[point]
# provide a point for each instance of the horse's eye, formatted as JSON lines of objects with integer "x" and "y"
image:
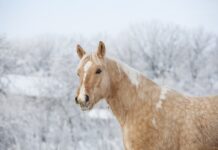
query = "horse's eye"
{"x": 98, "y": 71}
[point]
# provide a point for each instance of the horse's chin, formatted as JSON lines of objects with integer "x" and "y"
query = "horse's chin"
{"x": 86, "y": 108}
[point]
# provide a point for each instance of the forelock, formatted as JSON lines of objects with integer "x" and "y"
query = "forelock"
{"x": 92, "y": 57}
{"x": 82, "y": 61}
{"x": 95, "y": 59}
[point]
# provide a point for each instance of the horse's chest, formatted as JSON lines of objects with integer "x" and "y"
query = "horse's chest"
{"x": 128, "y": 142}
{"x": 137, "y": 137}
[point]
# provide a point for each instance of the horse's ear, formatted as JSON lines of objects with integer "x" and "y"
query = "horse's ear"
{"x": 80, "y": 51}
{"x": 101, "y": 50}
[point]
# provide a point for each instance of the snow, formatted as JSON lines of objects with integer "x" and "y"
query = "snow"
{"x": 100, "y": 114}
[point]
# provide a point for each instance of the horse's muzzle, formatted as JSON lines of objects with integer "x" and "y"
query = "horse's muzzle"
{"x": 84, "y": 103}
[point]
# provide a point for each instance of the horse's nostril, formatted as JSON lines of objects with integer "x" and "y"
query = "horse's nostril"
{"x": 76, "y": 100}
{"x": 86, "y": 98}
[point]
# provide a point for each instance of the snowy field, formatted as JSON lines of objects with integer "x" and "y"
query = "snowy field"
{"x": 38, "y": 82}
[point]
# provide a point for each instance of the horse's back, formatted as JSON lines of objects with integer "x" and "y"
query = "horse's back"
{"x": 198, "y": 125}
{"x": 205, "y": 121}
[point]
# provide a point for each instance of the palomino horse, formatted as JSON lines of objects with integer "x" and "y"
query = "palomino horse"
{"x": 151, "y": 117}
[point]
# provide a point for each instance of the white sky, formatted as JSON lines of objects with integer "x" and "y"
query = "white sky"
{"x": 24, "y": 18}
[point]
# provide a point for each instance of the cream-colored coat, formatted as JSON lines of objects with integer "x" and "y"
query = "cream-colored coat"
{"x": 157, "y": 118}
{"x": 151, "y": 117}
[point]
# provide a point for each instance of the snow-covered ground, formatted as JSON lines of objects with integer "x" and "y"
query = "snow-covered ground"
{"x": 100, "y": 114}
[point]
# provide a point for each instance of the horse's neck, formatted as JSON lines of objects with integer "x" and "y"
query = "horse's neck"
{"x": 128, "y": 89}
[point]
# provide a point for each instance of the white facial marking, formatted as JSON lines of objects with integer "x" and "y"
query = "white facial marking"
{"x": 132, "y": 74}
{"x": 163, "y": 93}
{"x": 82, "y": 91}
{"x": 81, "y": 61}
{"x": 87, "y": 66}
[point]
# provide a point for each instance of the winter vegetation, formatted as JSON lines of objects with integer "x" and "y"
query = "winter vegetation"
{"x": 38, "y": 81}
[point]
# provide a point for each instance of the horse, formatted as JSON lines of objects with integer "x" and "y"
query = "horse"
{"x": 151, "y": 117}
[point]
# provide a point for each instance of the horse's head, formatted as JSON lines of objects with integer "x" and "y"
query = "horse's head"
{"x": 94, "y": 77}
